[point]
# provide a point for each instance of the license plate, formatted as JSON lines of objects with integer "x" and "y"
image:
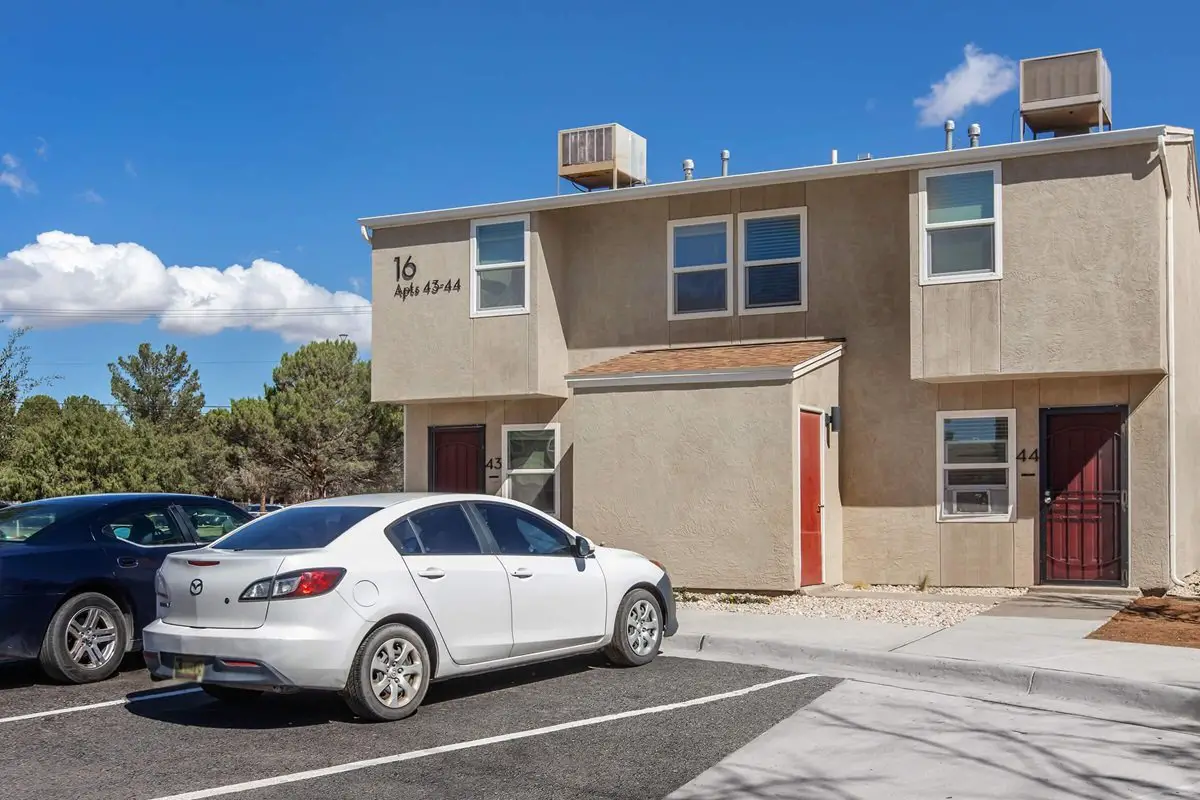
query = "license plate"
{"x": 188, "y": 669}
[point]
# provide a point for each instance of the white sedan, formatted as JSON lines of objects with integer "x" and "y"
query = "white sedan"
{"x": 374, "y": 596}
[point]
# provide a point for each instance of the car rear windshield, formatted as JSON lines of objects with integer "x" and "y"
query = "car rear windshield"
{"x": 18, "y": 523}
{"x": 296, "y": 528}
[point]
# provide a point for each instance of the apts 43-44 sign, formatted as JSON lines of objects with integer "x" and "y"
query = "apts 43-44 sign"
{"x": 408, "y": 286}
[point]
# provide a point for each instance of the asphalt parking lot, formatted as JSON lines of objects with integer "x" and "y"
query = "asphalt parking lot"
{"x": 575, "y": 728}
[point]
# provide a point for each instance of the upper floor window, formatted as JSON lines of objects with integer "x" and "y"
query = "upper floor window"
{"x": 699, "y": 251}
{"x": 960, "y": 220}
{"x": 976, "y": 465}
{"x": 530, "y": 465}
{"x": 500, "y": 266}
{"x": 772, "y": 266}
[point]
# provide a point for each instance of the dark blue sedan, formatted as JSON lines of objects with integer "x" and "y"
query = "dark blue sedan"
{"x": 77, "y": 573}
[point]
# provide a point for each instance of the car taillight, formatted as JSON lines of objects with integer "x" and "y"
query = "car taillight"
{"x": 303, "y": 583}
{"x": 658, "y": 564}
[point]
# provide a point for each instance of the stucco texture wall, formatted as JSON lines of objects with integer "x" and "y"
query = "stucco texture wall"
{"x": 699, "y": 478}
{"x": 494, "y": 415}
{"x": 1186, "y": 369}
{"x": 1082, "y": 287}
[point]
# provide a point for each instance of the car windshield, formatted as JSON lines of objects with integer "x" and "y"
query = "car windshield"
{"x": 298, "y": 527}
{"x": 18, "y": 523}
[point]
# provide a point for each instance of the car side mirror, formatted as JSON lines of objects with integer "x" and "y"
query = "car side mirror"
{"x": 582, "y": 547}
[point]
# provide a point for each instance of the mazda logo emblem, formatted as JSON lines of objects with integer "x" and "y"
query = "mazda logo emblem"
{"x": 197, "y": 587}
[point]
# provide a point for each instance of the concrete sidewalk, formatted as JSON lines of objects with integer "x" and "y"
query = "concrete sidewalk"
{"x": 1028, "y": 646}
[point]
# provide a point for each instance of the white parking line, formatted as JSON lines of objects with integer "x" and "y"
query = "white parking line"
{"x": 106, "y": 704}
{"x": 411, "y": 755}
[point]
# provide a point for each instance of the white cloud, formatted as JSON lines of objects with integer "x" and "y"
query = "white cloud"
{"x": 130, "y": 169}
{"x": 14, "y": 177}
{"x": 91, "y": 196}
{"x": 65, "y": 280}
{"x": 43, "y": 148}
{"x": 977, "y": 81}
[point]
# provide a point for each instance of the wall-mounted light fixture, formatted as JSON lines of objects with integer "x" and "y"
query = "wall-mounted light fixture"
{"x": 834, "y": 419}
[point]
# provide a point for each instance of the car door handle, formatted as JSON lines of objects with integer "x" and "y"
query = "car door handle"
{"x": 432, "y": 573}
{"x": 522, "y": 572}
{"x": 125, "y": 561}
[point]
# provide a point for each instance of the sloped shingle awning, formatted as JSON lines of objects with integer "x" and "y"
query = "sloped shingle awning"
{"x": 743, "y": 363}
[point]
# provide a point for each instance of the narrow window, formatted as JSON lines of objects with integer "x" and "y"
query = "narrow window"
{"x": 700, "y": 278}
{"x": 530, "y": 469}
{"x": 976, "y": 465}
{"x": 960, "y": 217}
{"x": 772, "y": 267}
{"x": 500, "y": 267}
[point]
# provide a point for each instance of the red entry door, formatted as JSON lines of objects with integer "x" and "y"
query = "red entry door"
{"x": 1083, "y": 497}
{"x": 456, "y": 459}
{"x": 812, "y": 569}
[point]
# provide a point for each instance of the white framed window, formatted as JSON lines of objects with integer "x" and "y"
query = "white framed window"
{"x": 977, "y": 468}
{"x": 500, "y": 266}
{"x": 699, "y": 261}
{"x": 530, "y": 469}
{"x": 772, "y": 261}
{"x": 961, "y": 224}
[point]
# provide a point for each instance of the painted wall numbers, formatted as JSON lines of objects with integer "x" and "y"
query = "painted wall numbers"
{"x": 431, "y": 287}
{"x": 406, "y": 271}
{"x": 406, "y": 287}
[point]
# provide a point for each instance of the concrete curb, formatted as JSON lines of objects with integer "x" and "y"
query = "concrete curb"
{"x": 1050, "y": 684}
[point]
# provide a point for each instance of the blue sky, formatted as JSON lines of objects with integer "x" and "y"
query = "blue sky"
{"x": 213, "y": 134}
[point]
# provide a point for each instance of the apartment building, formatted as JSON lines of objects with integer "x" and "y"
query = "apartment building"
{"x": 972, "y": 366}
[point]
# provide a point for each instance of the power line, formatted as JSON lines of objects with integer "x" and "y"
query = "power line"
{"x": 105, "y": 363}
{"x": 194, "y": 313}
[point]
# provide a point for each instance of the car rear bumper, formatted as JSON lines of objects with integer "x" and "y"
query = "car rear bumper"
{"x": 274, "y": 655}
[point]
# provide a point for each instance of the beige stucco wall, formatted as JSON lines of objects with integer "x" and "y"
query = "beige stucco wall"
{"x": 820, "y": 390}
{"x": 1082, "y": 288}
{"x": 1186, "y": 369}
{"x": 430, "y": 348}
{"x": 1006, "y": 554}
{"x": 1081, "y": 230}
{"x": 699, "y": 478}
{"x": 493, "y": 414}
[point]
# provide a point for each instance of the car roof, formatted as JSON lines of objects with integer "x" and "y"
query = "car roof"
{"x": 389, "y": 499}
{"x": 103, "y": 499}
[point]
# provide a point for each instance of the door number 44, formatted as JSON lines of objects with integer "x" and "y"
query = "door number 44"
{"x": 1031, "y": 457}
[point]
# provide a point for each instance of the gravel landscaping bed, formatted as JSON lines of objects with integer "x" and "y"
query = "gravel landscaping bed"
{"x": 963, "y": 591}
{"x": 898, "y": 611}
{"x": 1191, "y": 587}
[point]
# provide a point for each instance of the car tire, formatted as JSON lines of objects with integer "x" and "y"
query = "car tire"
{"x": 638, "y": 630}
{"x": 391, "y": 658}
{"x": 86, "y": 640}
{"x": 231, "y": 694}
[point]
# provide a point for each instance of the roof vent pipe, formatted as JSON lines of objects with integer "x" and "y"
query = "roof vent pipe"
{"x": 833, "y": 157}
{"x": 688, "y": 167}
{"x": 949, "y": 134}
{"x": 724, "y": 163}
{"x": 973, "y": 134}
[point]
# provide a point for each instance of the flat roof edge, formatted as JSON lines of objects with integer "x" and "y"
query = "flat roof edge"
{"x": 939, "y": 158}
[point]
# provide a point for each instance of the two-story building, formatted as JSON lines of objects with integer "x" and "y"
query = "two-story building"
{"x": 975, "y": 366}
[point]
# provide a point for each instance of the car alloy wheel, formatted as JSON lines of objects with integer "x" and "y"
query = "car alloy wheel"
{"x": 397, "y": 673}
{"x": 91, "y": 637}
{"x": 642, "y": 627}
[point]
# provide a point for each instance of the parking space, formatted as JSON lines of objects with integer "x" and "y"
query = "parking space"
{"x": 570, "y": 729}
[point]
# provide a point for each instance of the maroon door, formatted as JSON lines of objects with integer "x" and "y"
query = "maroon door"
{"x": 1083, "y": 496}
{"x": 456, "y": 459}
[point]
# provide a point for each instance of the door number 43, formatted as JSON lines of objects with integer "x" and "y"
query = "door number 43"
{"x": 1031, "y": 457}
